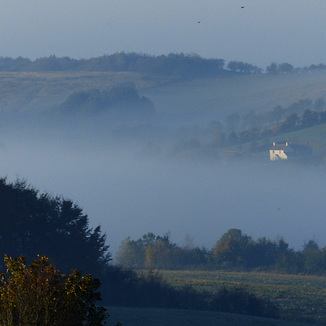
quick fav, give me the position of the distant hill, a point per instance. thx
(202, 98)
(183, 88)
(216, 98)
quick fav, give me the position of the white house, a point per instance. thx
(280, 151)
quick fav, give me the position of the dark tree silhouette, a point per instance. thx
(34, 223)
(290, 123)
(285, 68)
(242, 67)
(122, 98)
(272, 68)
(231, 248)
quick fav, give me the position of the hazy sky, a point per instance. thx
(263, 31)
(132, 198)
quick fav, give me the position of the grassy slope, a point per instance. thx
(169, 317)
(222, 96)
(315, 135)
(213, 97)
(30, 90)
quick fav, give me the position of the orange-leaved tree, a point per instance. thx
(38, 294)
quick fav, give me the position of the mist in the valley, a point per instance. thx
(129, 191)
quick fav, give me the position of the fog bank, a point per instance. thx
(130, 195)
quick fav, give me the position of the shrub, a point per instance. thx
(39, 295)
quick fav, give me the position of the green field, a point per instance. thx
(299, 297)
(315, 137)
(172, 317)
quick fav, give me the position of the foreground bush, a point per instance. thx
(39, 295)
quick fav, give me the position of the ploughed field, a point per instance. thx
(299, 297)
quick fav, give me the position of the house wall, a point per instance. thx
(275, 155)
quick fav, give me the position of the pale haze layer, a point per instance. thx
(130, 195)
(260, 33)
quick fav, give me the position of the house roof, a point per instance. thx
(279, 147)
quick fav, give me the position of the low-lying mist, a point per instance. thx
(130, 194)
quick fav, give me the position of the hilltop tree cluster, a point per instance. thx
(234, 250)
(123, 100)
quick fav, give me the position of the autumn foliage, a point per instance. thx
(39, 295)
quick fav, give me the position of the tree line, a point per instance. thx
(173, 64)
(233, 251)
